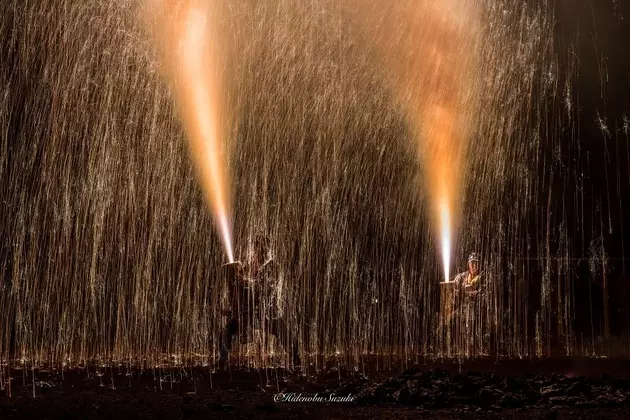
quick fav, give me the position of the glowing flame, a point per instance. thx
(204, 141)
(187, 37)
(442, 156)
(429, 48)
(445, 226)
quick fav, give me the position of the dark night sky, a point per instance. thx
(598, 32)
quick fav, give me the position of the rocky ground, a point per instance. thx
(570, 389)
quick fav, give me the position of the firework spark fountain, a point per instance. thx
(190, 52)
(436, 78)
(441, 107)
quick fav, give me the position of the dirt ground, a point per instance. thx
(179, 393)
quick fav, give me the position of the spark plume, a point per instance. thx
(445, 225)
(190, 51)
(430, 47)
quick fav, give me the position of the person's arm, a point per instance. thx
(475, 285)
(461, 279)
(457, 279)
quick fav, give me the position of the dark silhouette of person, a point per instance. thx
(254, 302)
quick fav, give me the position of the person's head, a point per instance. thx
(473, 263)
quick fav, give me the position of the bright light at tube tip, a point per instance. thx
(446, 238)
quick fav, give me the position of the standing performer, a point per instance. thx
(255, 302)
(471, 315)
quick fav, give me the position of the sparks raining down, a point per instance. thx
(372, 145)
(191, 54)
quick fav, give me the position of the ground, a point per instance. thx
(430, 389)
